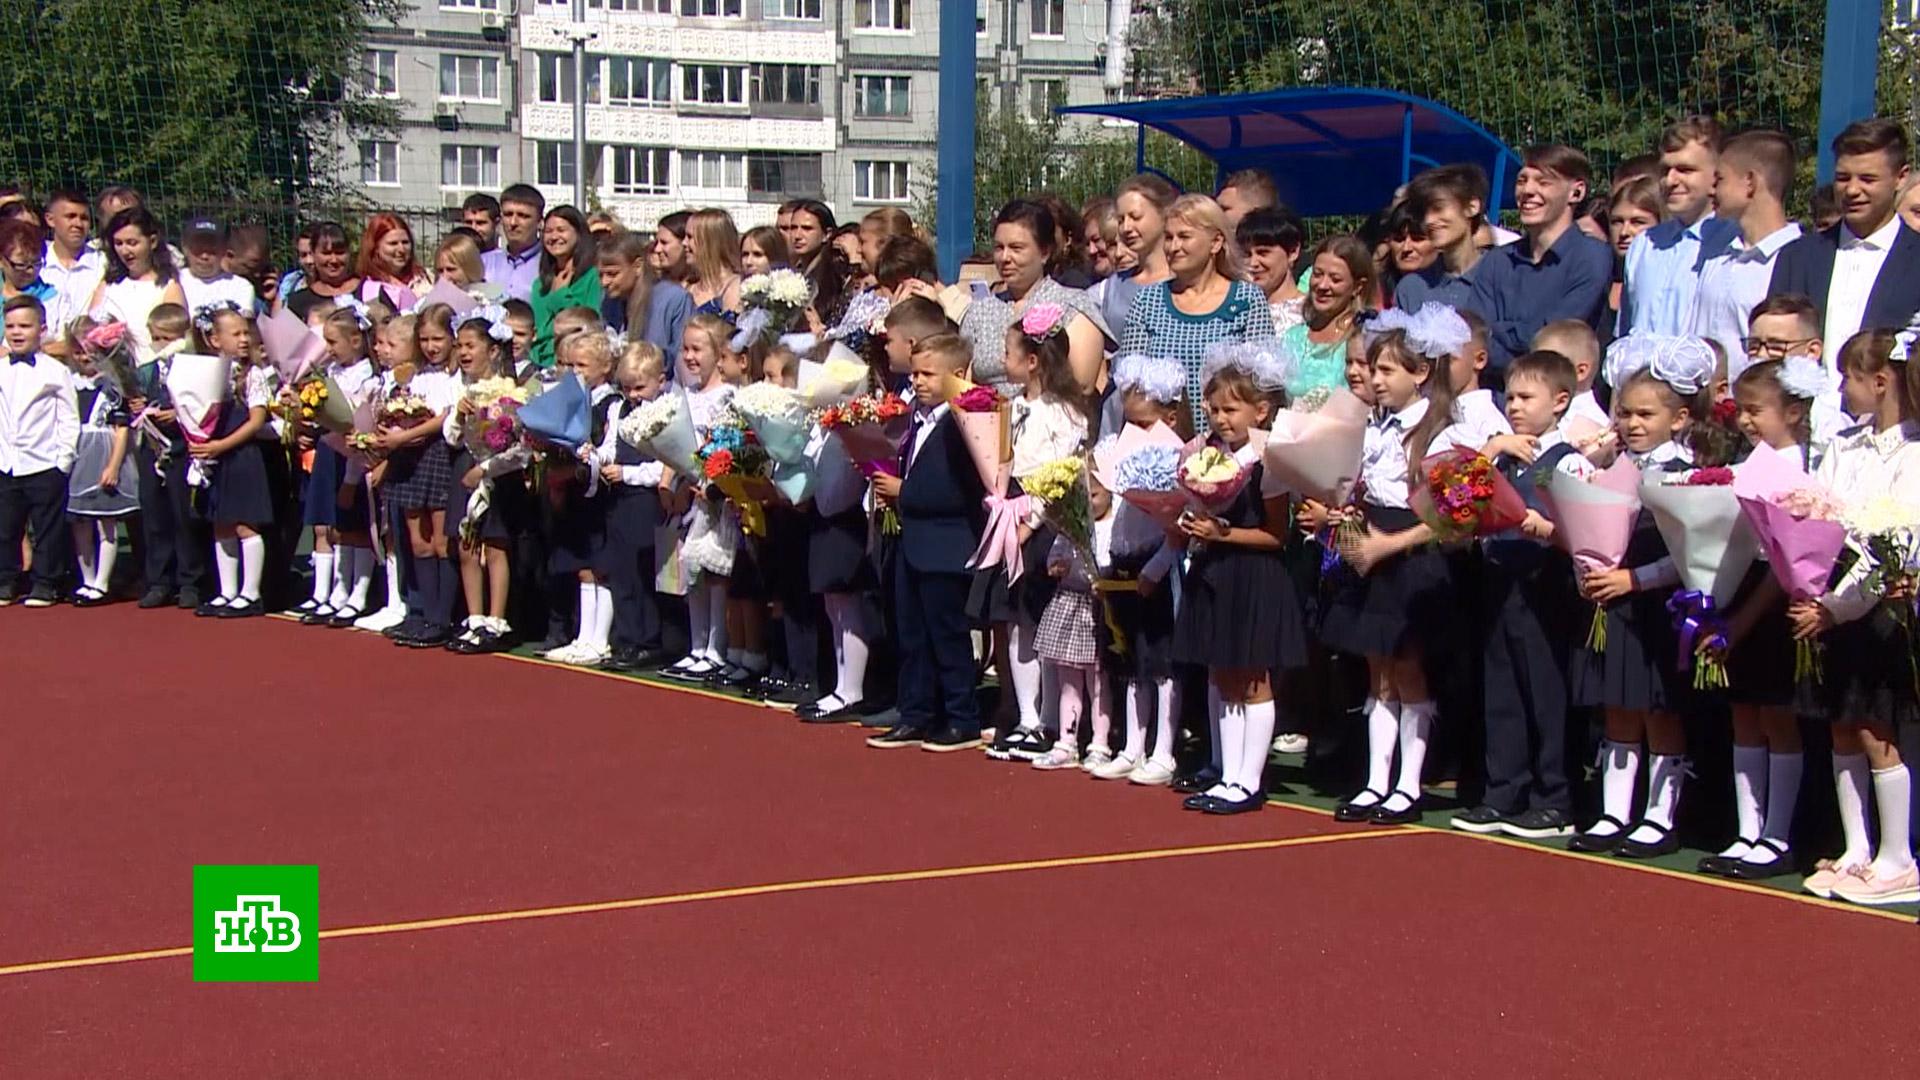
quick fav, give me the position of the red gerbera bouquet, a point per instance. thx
(870, 429)
(1466, 496)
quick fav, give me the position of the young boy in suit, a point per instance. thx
(938, 498)
(39, 429)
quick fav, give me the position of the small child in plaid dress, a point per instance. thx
(1071, 638)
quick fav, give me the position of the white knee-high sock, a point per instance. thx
(1069, 683)
(1213, 724)
(253, 563)
(1749, 790)
(396, 597)
(1023, 662)
(84, 553)
(1783, 794)
(226, 565)
(849, 648)
(1850, 791)
(1619, 772)
(342, 587)
(1666, 774)
(602, 630)
(109, 552)
(589, 602)
(1255, 742)
(1166, 711)
(322, 576)
(1230, 744)
(1100, 715)
(1893, 797)
(1383, 733)
(1416, 727)
(360, 577)
(716, 621)
(1137, 706)
(698, 618)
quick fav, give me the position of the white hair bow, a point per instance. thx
(1159, 378)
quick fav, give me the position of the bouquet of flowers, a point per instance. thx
(981, 415)
(1061, 487)
(777, 417)
(1210, 476)
(200, 386)
(111, 351)
(664, 428)
(838, 380)
(772, 301)
(870, 429)
(1465, 496)
(1712, 545)
(401, 410)
(1889, 541)
(1317, 452)
(1800, 528)
(1593, 520)
(734, 461)
(324, 405)
(1141, 466)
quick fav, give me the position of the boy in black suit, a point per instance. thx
(938, 498)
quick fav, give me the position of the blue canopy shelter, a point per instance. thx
(1334, 150)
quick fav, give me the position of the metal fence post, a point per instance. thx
(1848, 65)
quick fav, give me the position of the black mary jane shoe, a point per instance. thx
(207, 609)
(243, 609)
(1406, 815)
(1196, 782)
(1721, 865)
(1199, 800)
(1591, 843)
(344, 619)
(1779, 864)
(1245, 803)
(1352, 811)
(1666, 844)
(320, 616)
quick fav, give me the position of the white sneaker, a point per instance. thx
(385, 619)
(1117, 769)
(1097, 756)
(1060, 757)
(570, 653)
(588, 656)
(1151, 773)
(1290, 743)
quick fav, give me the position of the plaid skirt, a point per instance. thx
(417, 480)
(1066, 633)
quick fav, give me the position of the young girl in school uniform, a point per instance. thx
(841, 573)
(103, 488)
(394, 351)
(240, 498)
(1049, 421)
(1074, 643)
(1775, 401)
(1151, 392)
(1239, 616)
(750, 582)
(1868, 690)
(580, 512)
(782, 558)
(335, 509)
(418, 469)
(1660, 387)
(710, 528)
(1399, 596)
(483, 349)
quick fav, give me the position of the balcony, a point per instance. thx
(749, 42)
(658, 127)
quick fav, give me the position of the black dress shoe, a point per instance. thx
(343, 620)
(1195, 782)
(155, 598)
(210, 610)
(1238, 800)
(405, 630)
(431, 636)
(647, 659)
(899, 736)
(951, 738)
(188, 600)
(1665, 844)
(1780, 862)
(1352, 811)
(1196, 801)
(1721, 865)
(243, 609)
(1591, 843)
(320, 616)
(91, 599)
(1406, 815)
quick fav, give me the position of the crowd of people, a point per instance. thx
(1671, 317)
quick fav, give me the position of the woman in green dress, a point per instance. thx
(569, 276)
(1340, 288)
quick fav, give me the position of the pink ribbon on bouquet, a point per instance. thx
(1000, 544)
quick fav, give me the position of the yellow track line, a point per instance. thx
(737, 892)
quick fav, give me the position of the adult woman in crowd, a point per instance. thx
(1633, 207)
(713, 249)
(1340, 288)
(1100, 232)
(332, 276)
(810, 227)
(1024, 236)
(457, 262)
(1072, 266)
(388, 269)
(1204, 303)
(1142, 203)
(140, 276)
(22, 250)
(668, 257)
(634, 303)
(569, 276)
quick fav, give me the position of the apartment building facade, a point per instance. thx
(738, 104)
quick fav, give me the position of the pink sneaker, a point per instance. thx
(1865, 886)
(1826, 874)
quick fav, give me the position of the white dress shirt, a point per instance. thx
(200, 293)
(1862, 463)
(923, 425)
(1731, 285)
(39, 416)
(1383, 458)
(1043, 429)
(1855, 268)
(1476, 419)
(1586, 406)
(73, 285)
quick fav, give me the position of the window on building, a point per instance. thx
(786, 84)
(469, 78)
(784, 175)
(1049, 18)
(470, 5)
(380, 72)
(379, 162)
(556, 79)
(882, 15)
(713, 84)
(881, 181)
(881, 95)
(649, 7)
(710, 8)
(642, 170)
(639, 80)
(793, 9)
(712, 169)
(1044, 96)
(554, 163)
(980, 17)
(469, 166)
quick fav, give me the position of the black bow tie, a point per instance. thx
(21, 358)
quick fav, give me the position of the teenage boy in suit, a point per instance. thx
(1863, 273)
(939, 500)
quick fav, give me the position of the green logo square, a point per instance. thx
(256, 924)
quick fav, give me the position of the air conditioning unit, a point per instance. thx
(493, 25)
(446, 115)
(452, 200)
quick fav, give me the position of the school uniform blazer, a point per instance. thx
(1806, 267)
(941, 510)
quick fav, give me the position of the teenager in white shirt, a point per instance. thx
(39, 428)
(206, 280)
(1750, 188)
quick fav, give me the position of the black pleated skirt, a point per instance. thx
(1405, 604)
(1870, 672)
(1238, 609)
(1760, 668)
(837, 553)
